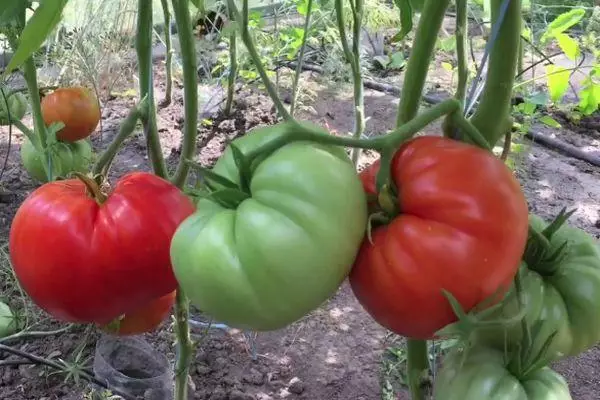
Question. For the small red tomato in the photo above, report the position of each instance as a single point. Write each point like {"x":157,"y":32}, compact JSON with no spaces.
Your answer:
{"x":86,"y":262}
{"x":144,"y":319}
{"x":462,"y":227}
{"x":76,"y":107}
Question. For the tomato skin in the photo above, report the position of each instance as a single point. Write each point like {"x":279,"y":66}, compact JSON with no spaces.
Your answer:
{"x":87,"y":263}
{"x":284,"y":251}
{"x":565,"y":302}
{"x":462,"y":227}
{"x":76,"y":107}
{"x":17,"y":104}
{"x":145,"y":319}
{"x":68,"y":157}
{"x":483,"y":374}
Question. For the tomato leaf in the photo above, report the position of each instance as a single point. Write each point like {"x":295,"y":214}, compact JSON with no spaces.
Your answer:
{"x":199,"y":4}
{"x":568,"y":45}
{"x":406,"y":19}
{"x":549,"y":121}
{"x":9,"y":10}
{"x":589,"y":95}
{"x":558,"y":81}
{"x":563,"y":22}
{"x":39,"y":26}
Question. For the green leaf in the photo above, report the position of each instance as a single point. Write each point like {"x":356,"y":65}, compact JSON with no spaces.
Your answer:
{"x":549,"y":121}
{"x":39,"y":26}
{"x":406,"y":19}
{"x":568,"y":45}
{"x":10,"y":9}
{"x":383,"y":61}
{"x":397,"y":60}
{"x":563,"y":22}
{"x":558,"y":81}
{"x":199,"y":4}
{"x":589,"y":95}
{"x":447,"y":66}
{"x":211,"y":177}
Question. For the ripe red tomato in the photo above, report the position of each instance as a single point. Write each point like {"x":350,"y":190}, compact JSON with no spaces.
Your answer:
{"x":462,"y":227}
{"x":143,"y":320}
{"x":86,"y":262}
{"x":76,"y":107}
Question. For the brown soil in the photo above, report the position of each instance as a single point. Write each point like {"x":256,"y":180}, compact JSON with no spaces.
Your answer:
{"x":336,"y":353}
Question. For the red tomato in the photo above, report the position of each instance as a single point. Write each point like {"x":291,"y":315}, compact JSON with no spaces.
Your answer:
{"x":462,"y":227}
{"x":145,"y":319}
{"x":89,"y":263}
{"x":76,"y":107}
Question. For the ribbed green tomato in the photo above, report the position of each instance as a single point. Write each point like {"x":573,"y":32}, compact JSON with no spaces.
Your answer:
{"x":483,"y":375}
{"x":566,"y":300}
{"x":282,"y":252}
{"x":67,"y":157}
{"x":17,"y":104}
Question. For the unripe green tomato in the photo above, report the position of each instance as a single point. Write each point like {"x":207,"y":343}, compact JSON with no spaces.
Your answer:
{"x":8,"y":324}
{"x":66,"y":158}
{"x":17,"y":104}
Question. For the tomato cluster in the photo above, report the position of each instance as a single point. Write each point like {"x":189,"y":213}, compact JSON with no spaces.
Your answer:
{"x":78,"y":109}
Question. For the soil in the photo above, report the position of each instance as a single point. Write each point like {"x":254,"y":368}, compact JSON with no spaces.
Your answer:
{"x":335,"y":353}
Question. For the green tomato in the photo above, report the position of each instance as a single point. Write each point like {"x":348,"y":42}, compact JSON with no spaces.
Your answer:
{"x":8,"y":324}
{"x":565,"y":301}
{"x":482,"y":373}
{"x":283,"y":251}
{"x":66,"y":157}
{"x":17,"y":104}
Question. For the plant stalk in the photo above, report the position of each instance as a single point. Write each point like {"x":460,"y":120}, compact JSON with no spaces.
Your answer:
{"x":420,"y":58}
{"x":417,"y":367}
{"x":298,"y":131}
{"x":492,"y":117}
{"x":233,"y":66}
{"x":127,"y":127}
{"x":184,"y":342}
{"x":169,"y":56}
{"x":143,"y":44}
{"x":190,"y":88}
{"x":249,"y":43}
{"x":461,"y":49}
{"x":353,"y":58}
{"x":301,"y":58}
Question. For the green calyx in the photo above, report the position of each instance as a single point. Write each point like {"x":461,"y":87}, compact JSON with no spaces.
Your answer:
{"x":539,"y":255}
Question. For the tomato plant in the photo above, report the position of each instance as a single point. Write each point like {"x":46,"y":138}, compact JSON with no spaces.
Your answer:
{"x":76,"y":107}
{"x":484,"y":373}
{"x":17,"y":105}
{"x":455,"y":231}
{"x":142,"y":320}
{"x":283,"y":249}
{"x":8,"y":321}
{"x":561,"y":292}
{"x":67,"y":157}
{"x":93,"y":257}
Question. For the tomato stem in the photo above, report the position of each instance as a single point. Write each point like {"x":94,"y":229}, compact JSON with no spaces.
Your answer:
{"x":461,"y":49}
{"x":492,"y":117}
{"x":184,"y":343}
{"x":233,"y":68}
{"x":420,"y":58}
{"x":250,"y":46}
{"x":190,"y":88}
{"x":93,"y":188}
{"x":143,"y":44}
{"x":127,"y":127}
{"x":417,"y":367}
{"x":169,"y":56}
{"x":300,"y":60}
